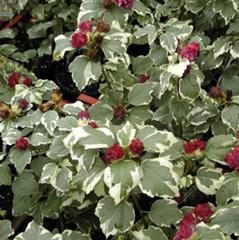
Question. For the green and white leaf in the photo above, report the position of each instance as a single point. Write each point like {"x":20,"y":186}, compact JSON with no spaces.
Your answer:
{"x":67,"y":123}
{"x":6,"y":178}
{"x":227,"y":219}
{"x":126,"y":134}
{"x":114,"y":218}
{"x":208,"y":180}
{"x":169,"y":41}
{"x":84,"y":71}
{"x":121,"y":177}
{"x":159,"y":179}
{"x":150,"y":234}
{"x":5,"y":229}
{"x":165,"y":212}
{"x":20,"y":159}
{"x":73,"y":108}
{"x":230,"y":117}
{"x":63,"y":45}
{"x":140,"y":94}
{"x":38,"y":139}
{"x":49,"y":121}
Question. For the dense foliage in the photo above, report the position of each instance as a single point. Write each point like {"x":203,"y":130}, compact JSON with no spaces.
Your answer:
{"x":157,"y":157}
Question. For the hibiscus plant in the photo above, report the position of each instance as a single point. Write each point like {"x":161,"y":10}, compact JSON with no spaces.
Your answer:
{"x":157,"y":156}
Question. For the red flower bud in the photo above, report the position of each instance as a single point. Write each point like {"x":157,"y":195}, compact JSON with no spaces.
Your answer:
{"x":215,"y":92}
{"x":13,"y":79}
{"x":136,"y":147}
{"x":27,"y":82}
{"x":119,"y":112}
{"x":102,"y":26}
{"x":191,"y":51}
{"x":202,"y":212}
{"x":143,"y":78}
{"x":232,"y":158}
{"x":85,"y":26}
{"x":93,"y":124}
{"x":83,"y":114}
{"x":187,"y":227}
{"x":125,"y":3}
{"x":23,"y":103}
{"x":78,"y":39}
{"x":22,"y":143}
{"x":115,"y":152}
{"x":194,"y":145}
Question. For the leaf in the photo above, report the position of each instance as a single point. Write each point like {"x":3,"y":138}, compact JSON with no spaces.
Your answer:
{"x":6,"y":178}
{"x":101,"y":137}
{"x":178,"y":69}
{"x":230,"y":117}
{"x":190,"y":86}
{"x":121,"y":177}
{"x":126,"y":134}
{"x":226,"y":10}
{"x":169,"y":41}
{"x":7,"y":33}
{"x":221,"y":46}
{"x":178,"y":108}
{"x":140,"y":94}
{"x":39,"y":30}
{"x":67,"y":123}
{"x":74,"y":235}
{"x":35,"y":232}
{"x":49,"y":121}
{"x":101,"y":112}
{"x":206,"y":232}
{"x":57,"y":148}
{"x":26,"y":193}
{"x":218,"y":146}
{"x":227,"y":219}
{"x":84,"y":70}
{"x":85,"y":158}
{"x":5,"y":229}
{"x":73,"y":108}
{"x":165,"y":212}
{"x":20,"y":159}
{"x":94,"y":175}
{"x":159,"y":178}
{"x":195,"y":6}
{"x":208,"y":180}
{"x":114,"y":218}
{"x":149,"y":31}
{"x":154,"y":140}
{"x":228,"y":189}
{"x":63,"y":45}
{"x":38,"y":139}
{"x":150,"y":234}
{"x":234,"y":50}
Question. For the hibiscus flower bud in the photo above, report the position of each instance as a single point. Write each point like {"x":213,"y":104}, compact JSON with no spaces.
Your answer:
{"x":4,"y":111}
{"x":187,"y":227}
{"x":191,"y":51}
{"x":119,"y":112}
{"x":22,"y":143}
{"x":85,"y":26}
{"x":232,"y":158}
{"x":56,"y":96}
{"x":78,"y":39}
{"x":195,"y":145}
{"x":103,"y":27}
{"x":142,"y":78}
{"x":125,"y":3}
{"x":23,"y":103}
{"x":115,"y":152}
{"x":107,"y":3}
{"x":83,"y":115}
{"x":202,"y":212}
{"x":136,"y":147}
{"x":27,"y":82}
{"x":93,"y":124}
{"x":13,"y":79}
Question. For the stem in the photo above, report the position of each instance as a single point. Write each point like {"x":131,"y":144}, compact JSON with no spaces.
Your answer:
{"x":136,"y":203}
{"x":227,"y":64}
{"x":105,"y":77}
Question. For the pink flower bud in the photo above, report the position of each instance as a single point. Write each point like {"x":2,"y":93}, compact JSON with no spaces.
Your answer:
{"x":85,"y":26}
{"x":13,"y":79}
{"x":78,"y":39}
{"x":22,"y":143}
